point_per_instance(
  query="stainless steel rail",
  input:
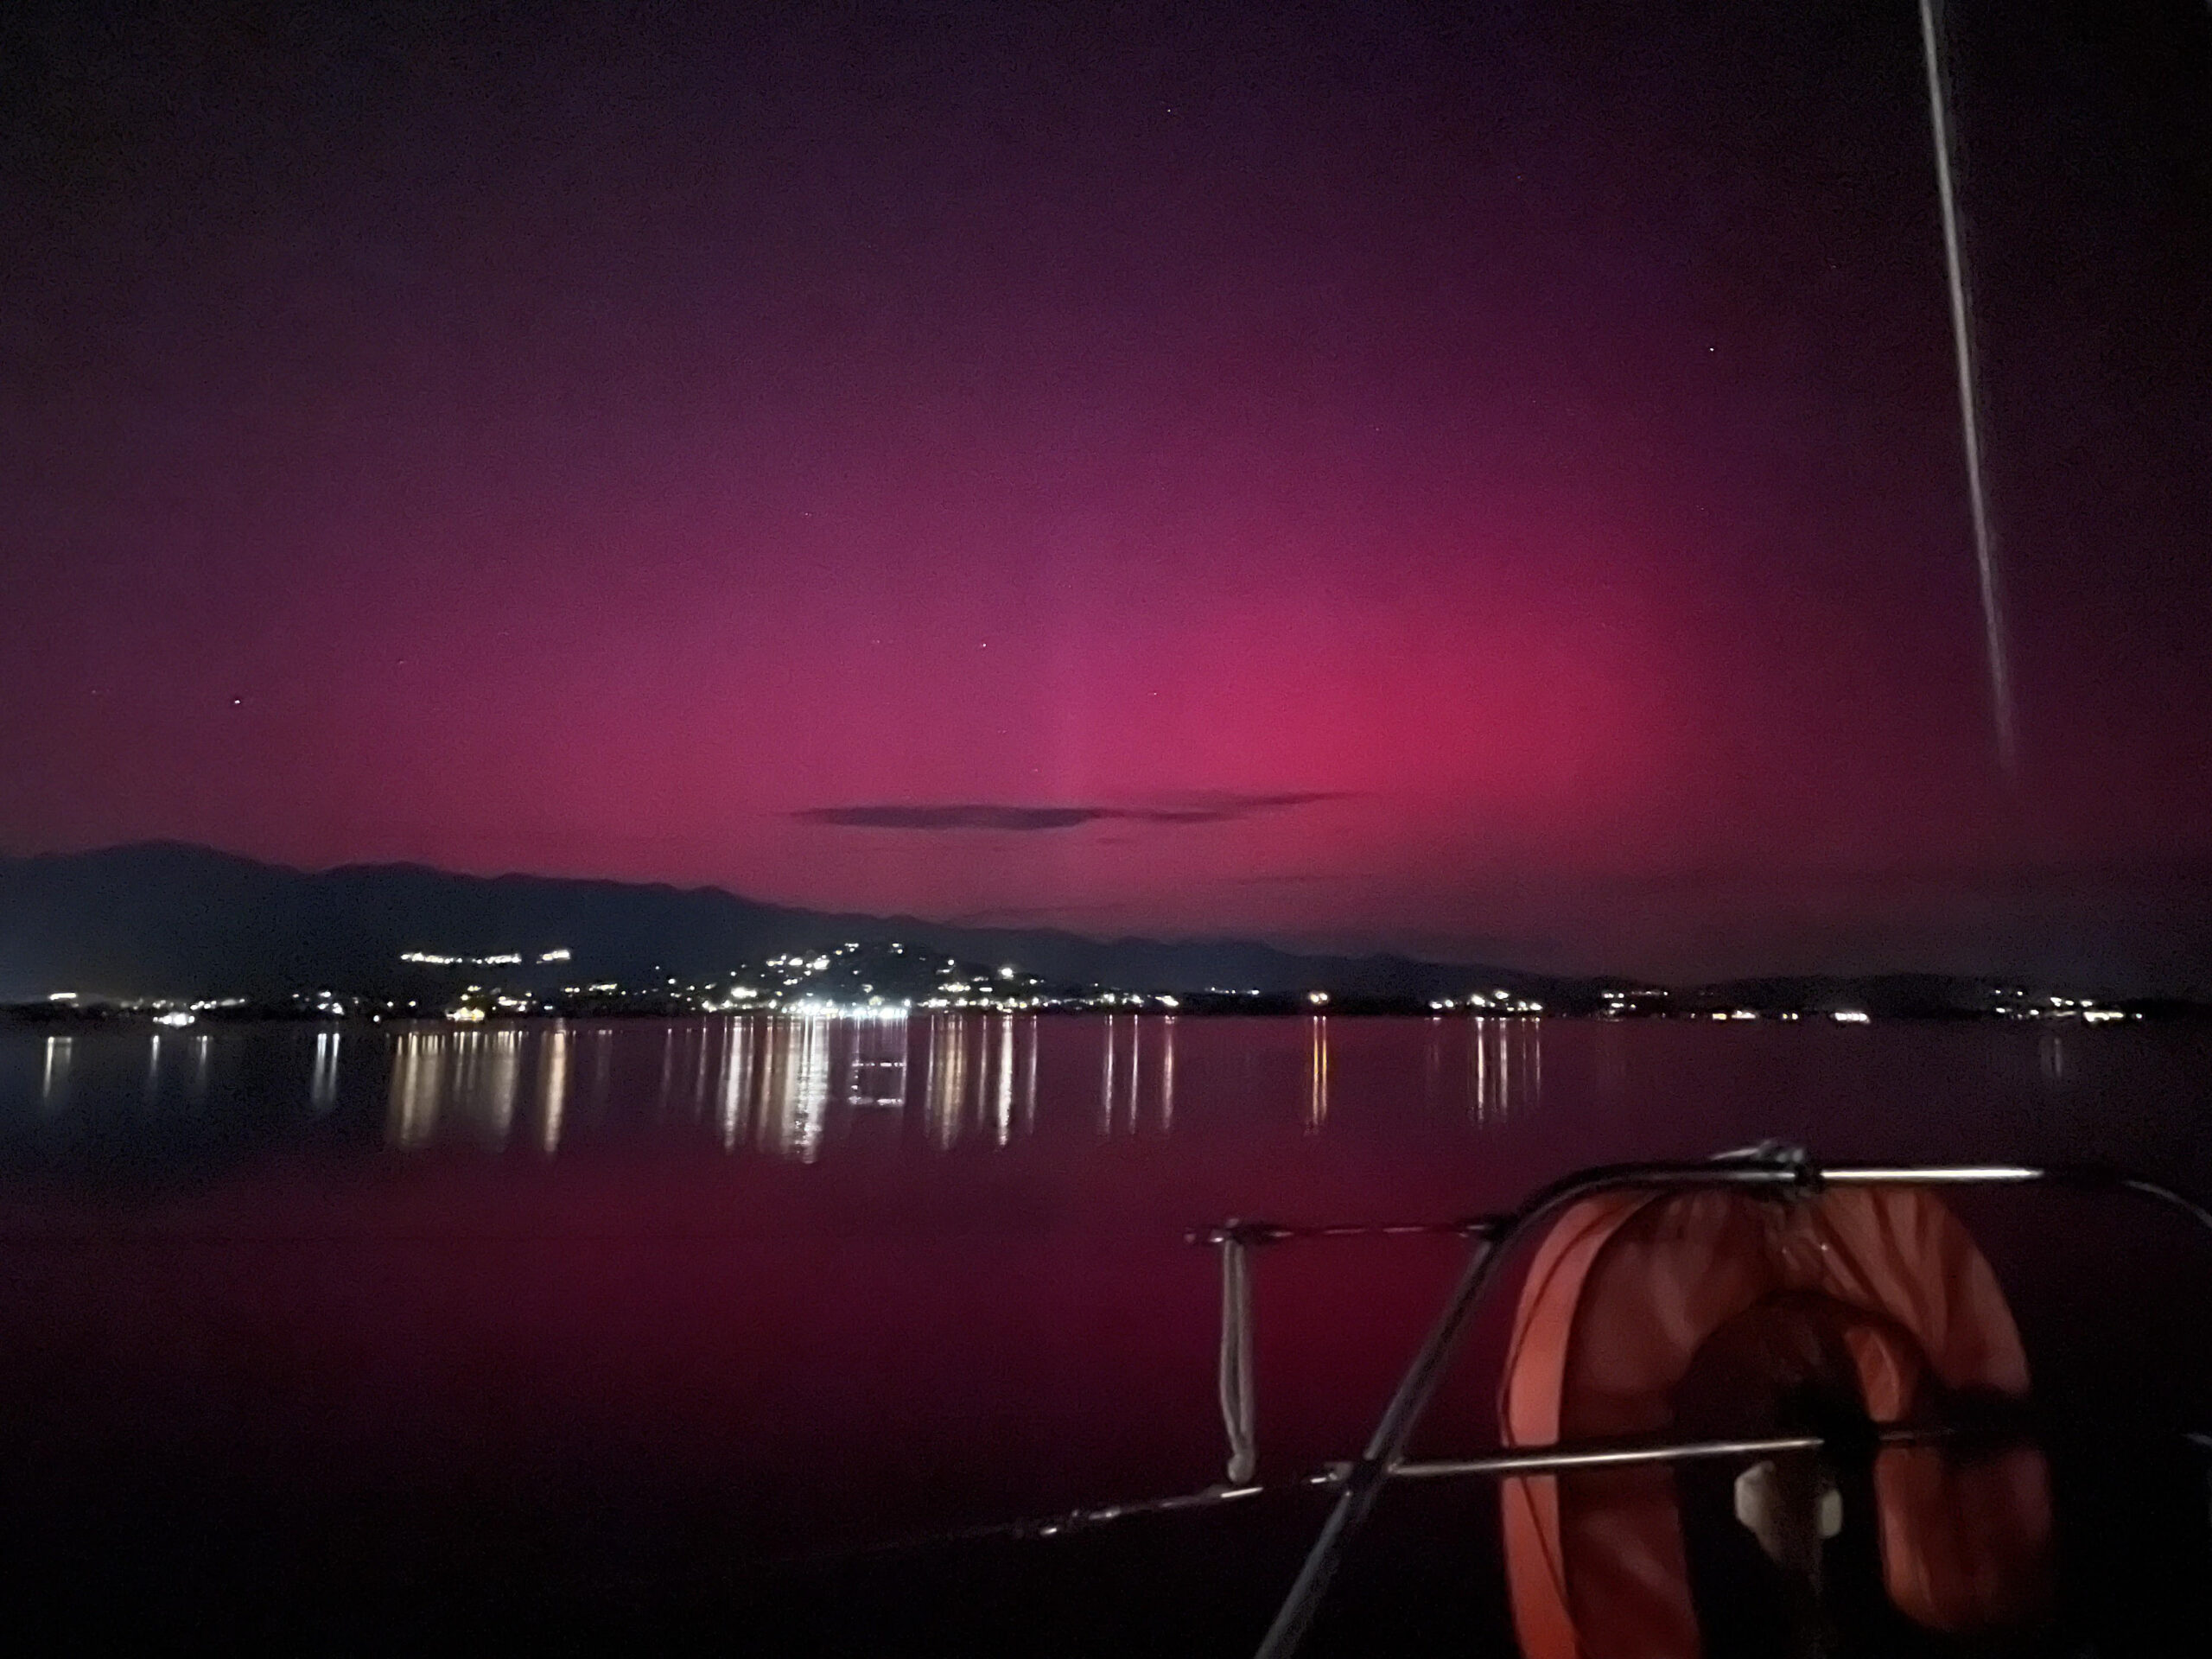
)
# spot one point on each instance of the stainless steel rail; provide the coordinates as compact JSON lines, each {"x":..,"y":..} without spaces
{"x":1558,"y":1460}
{"x":1503,"y":1463}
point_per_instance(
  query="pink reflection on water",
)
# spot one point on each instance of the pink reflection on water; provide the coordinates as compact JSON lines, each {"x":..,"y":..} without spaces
{"x":812,"y":1280}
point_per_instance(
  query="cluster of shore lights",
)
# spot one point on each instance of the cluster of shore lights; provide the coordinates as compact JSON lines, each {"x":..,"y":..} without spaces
{"x":876,"y":1007}
{"x":1476,"y":1003}
{"x":822,"y":1009}
{"x":499,"y":959}
{"x":2015,"y":1004}
{"x":795,"y":966}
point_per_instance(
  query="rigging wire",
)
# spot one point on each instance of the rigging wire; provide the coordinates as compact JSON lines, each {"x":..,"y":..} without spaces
{"x":1985,"y":541}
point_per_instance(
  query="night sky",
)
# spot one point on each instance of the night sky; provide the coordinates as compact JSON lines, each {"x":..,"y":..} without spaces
{"x":1481,"y":481}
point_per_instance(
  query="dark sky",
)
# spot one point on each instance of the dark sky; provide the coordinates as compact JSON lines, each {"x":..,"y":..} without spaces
{"x":1483,"y":480}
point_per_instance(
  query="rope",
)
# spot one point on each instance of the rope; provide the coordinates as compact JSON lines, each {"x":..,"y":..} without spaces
{"x":1236,"y":1240}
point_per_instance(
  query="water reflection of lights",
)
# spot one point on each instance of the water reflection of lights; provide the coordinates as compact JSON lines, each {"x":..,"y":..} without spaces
{"x":1136,"y":1067}
{"x":945,"y":1090}
{"x":417,"y":1077}
{"x":1505,"y":1067}
{"x":552,"y":1087}
{"x":876,"y":1075}
{"x":773,"y":1081}
{"x":1123,"y":1078}
{"x":1168,"y":1074}
{"x":1106,"y":1081}
{"x":734,"y":1110}
{"x":504,"y":1067}
{"x":1003,"y":1113}
{"x":1316,"y":1083}
{"x":792,"y":1123}
{"x":770,"y":1081}
{"x":799,"y":1085}
{"x":54,"y":1079}
{"x":2050,"y":1050}
{"x":812,"y":1092}
{"x":471,"y":1080}
{"x":1029,"y":1081}
{"x":602,"y":1064}
{"x":703,"y":1037}
{"x":322,"y":1083}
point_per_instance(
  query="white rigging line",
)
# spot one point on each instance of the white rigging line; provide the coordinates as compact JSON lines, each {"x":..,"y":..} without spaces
{"x":1985,"y":546}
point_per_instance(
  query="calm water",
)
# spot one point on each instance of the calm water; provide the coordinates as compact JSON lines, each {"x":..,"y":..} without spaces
{"x":614,"y":1296}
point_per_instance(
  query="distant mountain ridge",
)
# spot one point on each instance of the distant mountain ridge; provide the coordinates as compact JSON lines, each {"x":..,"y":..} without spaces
{"x":171,"y":919}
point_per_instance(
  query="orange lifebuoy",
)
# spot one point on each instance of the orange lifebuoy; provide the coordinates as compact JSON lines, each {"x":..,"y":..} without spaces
{"x":1624,"y":1293}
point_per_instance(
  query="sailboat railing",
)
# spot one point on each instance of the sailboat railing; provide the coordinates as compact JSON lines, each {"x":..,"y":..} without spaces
{"x":1773,"y":1169}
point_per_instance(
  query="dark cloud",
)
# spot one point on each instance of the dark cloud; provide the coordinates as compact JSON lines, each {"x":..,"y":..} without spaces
{"x":1221,"y":807}
{"x":955,"y":817}
{"x":1197,"y":808}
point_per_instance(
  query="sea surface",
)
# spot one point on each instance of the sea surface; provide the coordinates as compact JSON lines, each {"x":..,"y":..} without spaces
{"x":368,"y":1334}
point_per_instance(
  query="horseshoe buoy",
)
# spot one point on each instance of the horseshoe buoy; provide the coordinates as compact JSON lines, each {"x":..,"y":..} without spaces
{"x":1642,"y":1309}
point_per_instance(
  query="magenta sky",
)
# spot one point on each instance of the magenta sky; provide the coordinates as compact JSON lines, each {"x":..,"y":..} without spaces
{"x":1343,"y":476}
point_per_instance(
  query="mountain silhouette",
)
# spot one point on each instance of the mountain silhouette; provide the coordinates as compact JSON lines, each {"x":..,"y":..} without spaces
{"x":170,"y":919}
